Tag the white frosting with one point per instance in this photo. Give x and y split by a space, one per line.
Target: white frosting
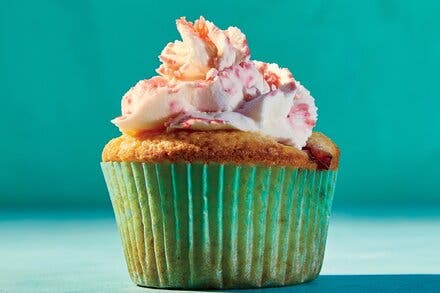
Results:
207 82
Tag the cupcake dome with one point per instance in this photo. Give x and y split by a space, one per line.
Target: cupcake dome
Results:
224 147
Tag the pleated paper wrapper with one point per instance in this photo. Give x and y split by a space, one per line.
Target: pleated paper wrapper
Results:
220 226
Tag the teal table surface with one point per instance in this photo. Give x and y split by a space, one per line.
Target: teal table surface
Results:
368 250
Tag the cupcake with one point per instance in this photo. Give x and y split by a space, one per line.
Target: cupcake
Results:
218 180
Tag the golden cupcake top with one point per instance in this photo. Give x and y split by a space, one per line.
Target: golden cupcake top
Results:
224 147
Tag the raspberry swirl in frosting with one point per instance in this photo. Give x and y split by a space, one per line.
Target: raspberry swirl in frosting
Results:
207 82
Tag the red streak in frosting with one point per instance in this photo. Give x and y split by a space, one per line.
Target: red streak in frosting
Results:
301 111
172 91
155 83
247 51
272 79
200 84
191 121
174 107
248 97
248 82
288 87
246 64
237 72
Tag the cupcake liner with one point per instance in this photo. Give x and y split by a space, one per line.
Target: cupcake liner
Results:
211 225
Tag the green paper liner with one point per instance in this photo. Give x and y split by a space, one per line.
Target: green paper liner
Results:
220 226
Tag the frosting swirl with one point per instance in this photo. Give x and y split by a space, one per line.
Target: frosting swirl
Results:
207 82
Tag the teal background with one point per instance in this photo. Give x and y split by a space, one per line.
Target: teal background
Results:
371 65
